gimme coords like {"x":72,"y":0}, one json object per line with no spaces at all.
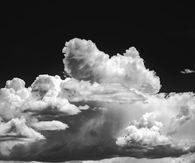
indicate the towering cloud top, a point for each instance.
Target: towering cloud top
{"x":83,"y":61}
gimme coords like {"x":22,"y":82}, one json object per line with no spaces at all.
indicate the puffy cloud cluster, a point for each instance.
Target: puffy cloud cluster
{"x":108,"y":107}
{"x":22,"y":110}
{"x":42,"y":95}
{"x":84,"y":61}
{"x":146,"y":131}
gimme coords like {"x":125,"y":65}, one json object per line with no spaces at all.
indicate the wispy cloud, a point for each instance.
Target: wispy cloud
{"x":187,"y":71}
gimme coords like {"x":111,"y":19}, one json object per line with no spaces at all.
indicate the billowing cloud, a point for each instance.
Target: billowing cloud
{"x":84,"y":61}
{"x":146,"y":131}
{"x":107,"y":107}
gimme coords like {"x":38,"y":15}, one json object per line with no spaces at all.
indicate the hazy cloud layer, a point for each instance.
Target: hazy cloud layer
{"x":109,"y":107}
{"x":190,"y":158}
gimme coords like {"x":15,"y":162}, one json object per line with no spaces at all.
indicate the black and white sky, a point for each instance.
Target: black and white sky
{"x":51,"y":108}
{"x":163,"y":33}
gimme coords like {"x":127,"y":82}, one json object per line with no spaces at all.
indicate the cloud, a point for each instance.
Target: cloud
{"x":16,"y":132}
{"x":146,"y":131}
{"x":49,"y":125}
{"x":107,"y":107}
{"x":187,"y":71}
{"x":75,"y":91}
{"x":18,"y":127}
{"x":83,"y":61}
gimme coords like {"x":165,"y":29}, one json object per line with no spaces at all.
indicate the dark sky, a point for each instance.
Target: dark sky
{"x":34,"y":34}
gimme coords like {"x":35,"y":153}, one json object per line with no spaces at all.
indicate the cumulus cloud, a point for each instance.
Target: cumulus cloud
{"x":16,"y":132}
{"x":146,"y":131}
{"x":84,"y":61}
{"x":108,"y":106}
{"x":17,"y":127}
{"x":187,"y":71}
{"x":23,"y":112}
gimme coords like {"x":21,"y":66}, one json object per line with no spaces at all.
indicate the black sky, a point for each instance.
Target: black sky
{"x":34,"y":34}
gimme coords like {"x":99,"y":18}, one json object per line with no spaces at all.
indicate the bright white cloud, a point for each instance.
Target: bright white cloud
{"x":16,"y":132}
{"x":84,"y":61}
{"x":109,"y":107}
{"x":146,"y":131}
